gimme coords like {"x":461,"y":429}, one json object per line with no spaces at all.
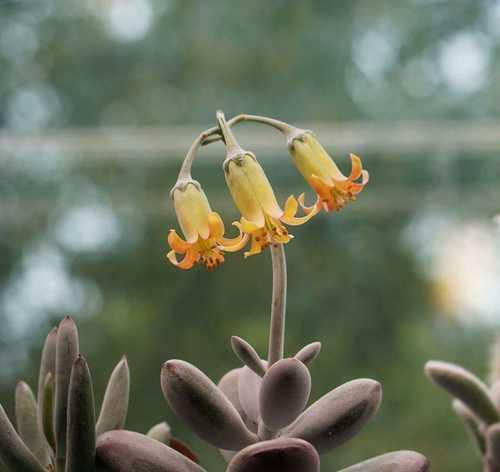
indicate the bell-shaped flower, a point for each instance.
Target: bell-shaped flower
{"x":262,"y":219}
{"x":333,"y":188}
{"x":203,"y":229}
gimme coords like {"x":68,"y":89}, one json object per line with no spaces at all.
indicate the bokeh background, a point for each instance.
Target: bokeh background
{"x":99,"y":100}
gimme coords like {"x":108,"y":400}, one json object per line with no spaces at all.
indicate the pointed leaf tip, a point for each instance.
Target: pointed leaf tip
{"x":47,"y":366}
{"x":81,"y":437}
{"x":248,"y":355}
{"x":308,"y":353}
{"x":67,"y":348}
{"x":114,"y":407}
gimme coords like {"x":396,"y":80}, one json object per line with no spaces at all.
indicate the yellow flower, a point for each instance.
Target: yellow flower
{"x":333,"y":188}
{"x":202,"y":228}
{"x":261,"y":217}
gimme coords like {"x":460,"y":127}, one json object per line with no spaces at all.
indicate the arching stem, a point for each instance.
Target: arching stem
{"x":202,"y":139}
{"x":288,"y":130}
{"x":185,"y":171}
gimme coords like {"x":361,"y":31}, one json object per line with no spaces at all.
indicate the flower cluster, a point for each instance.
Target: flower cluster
{"x":263,"y":221}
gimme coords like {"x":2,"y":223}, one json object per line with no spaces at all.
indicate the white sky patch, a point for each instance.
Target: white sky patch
{"x":18,"y":42}
{"x":462,"y":260}
{"x":419,"y":77}
{"x":464,"y":61}
{"x":89,"y":228}
{"x":129,"y":20}
{"x":375,"y":51}
{"x":41,"y":287}
{"x":493,"y":19}
{"x":32,"y":107}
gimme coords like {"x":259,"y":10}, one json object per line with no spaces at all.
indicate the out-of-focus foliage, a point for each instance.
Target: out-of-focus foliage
{"x":407,"y":273}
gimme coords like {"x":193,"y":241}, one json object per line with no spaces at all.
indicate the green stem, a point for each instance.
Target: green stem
{"x":277,"y":325}
{"x":278,"y":306}
{"x":289,"y":131}
{"x":185,"y":171}
{"x":232,"y":146}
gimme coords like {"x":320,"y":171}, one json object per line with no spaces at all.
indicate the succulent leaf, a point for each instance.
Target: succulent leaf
{"x":80,"y":450}
{"x":48,"y":411}
{"x":47,"y":365}
{"x":472,"y":424}
{"x":465,"y":386}
{"x":493,"y":446}
{"x":203,"y":406}
{"x":161,"y":432}
{"x":14,"y":454}
{"x":248,"y":393}
{"x":399,"y":461}
{"x":28,"y":426}
{"x":284,"y":393}
{"x":337,"y":416}
{"x":229,"y":385}
{"x":495,"y":393}
{"x":247,"y":354}
{"x":125,"y":451}
{"x":276,"y":455}
{"x":308,"y":353}
{"x":66,"y":352}
{"x":115,"y":404}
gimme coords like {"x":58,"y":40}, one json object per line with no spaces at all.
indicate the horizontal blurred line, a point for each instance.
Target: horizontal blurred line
{"x":170,"y":142}
{"x":481,"y":200}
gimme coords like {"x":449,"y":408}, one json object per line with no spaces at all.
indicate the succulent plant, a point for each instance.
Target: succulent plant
{"x":476,"y":403}
{"x":257,"y":414}
{"x":58,"y":430}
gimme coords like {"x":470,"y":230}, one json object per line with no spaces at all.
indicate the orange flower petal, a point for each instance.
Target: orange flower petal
{"x":307,"y":209}
{"x":215,"y":225}
{"x":291,"y":207}
{"x":356,"y":167}
{"x":255,"y":248}
{"x":234,"y":244}
{"x":187,"y":262}
{"x":322,"y":188}
{"x":177,"y":243}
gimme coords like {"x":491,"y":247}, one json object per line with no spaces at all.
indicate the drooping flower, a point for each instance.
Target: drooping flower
{"x":333,"y":188}
{"x":203,"y":229}
{"x":261,"y":216}
{"x":262,"y":219}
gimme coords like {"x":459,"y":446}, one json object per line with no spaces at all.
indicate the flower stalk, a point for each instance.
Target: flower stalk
{"x":278,"y":305}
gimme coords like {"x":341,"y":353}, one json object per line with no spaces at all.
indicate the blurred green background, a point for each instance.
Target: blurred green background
{"x":99,"y":99}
